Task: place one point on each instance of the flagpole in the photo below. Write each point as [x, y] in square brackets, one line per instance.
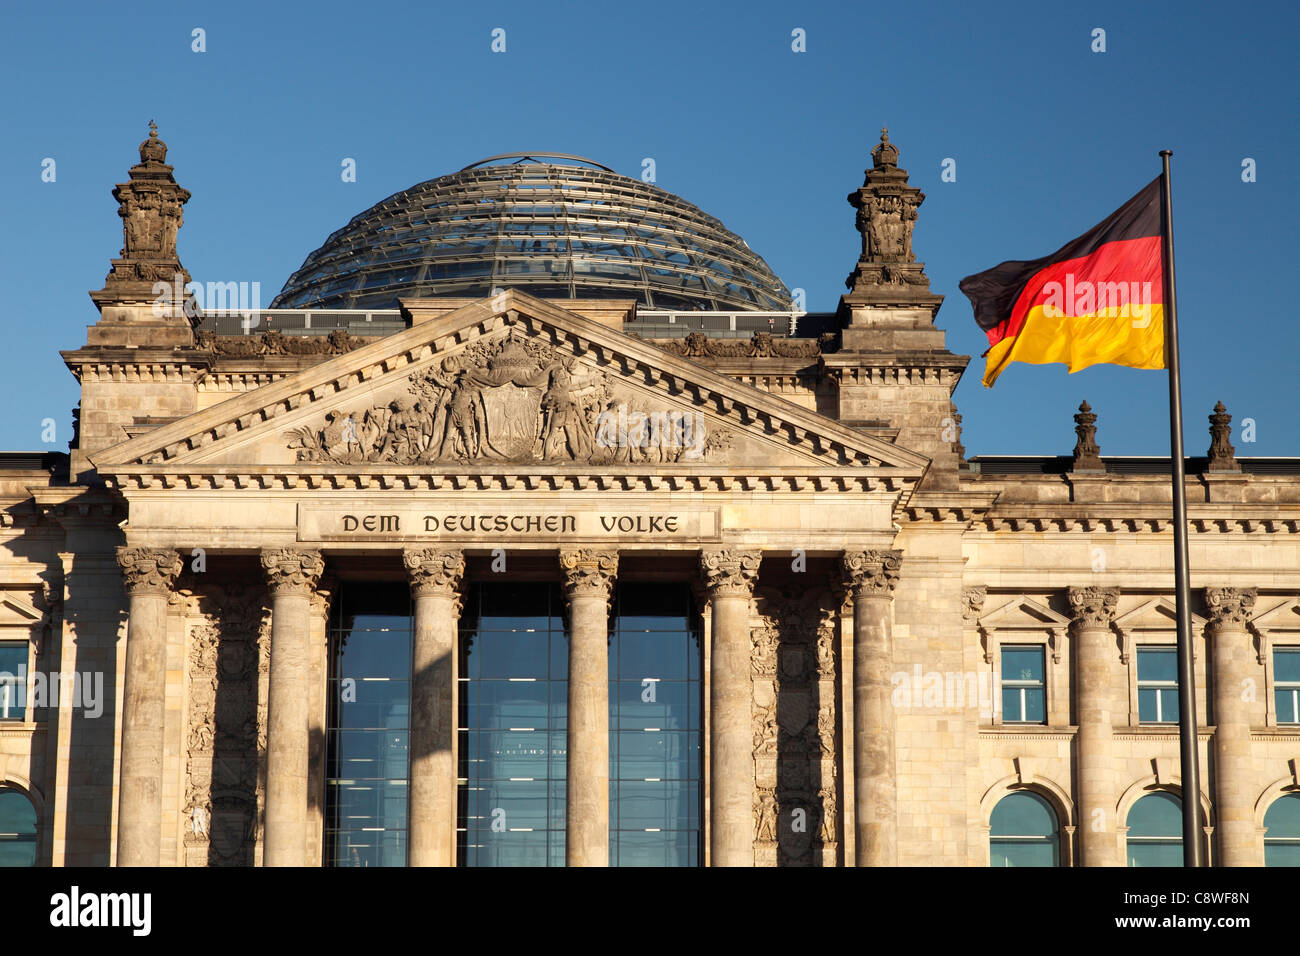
[1187, 742]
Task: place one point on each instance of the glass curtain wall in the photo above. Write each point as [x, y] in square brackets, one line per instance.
[368, 723]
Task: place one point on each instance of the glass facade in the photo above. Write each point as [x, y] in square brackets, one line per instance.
[1282, 831]
[368, 722]
[1157, 685]
[513, 705]
[1286, 684]
[514, 669]
[1023, 831]
[17, 829]
[1155, 831]
[566, 229]
[1024, 688]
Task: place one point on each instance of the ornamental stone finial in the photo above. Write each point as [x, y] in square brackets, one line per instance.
[1230, 608]
[871, 573]
[292, 571]
[149, 570]
[1087, 456]
[1221, 454]
[434, 571]
[730, 571]
[1094, 607]
[588, 570]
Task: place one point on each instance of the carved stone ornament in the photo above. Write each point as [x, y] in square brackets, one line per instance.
[513, 399]
[765, 815]
[292, 571]
[1221, 454]
[886, 215]
[149, 570]
[759, 345]
[433, 571]
[972, 601]
[762, 655]
[150, 205]
[225, 746]
[337, 342]
[589, 570]
[1087, 456]
[871, 573]
[731, 571]
[1230, 608]
[1093, 607]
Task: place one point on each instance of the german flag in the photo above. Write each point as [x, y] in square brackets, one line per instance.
[1096, 300]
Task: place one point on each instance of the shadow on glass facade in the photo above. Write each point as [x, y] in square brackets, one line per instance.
[368, 724]
[513, 702]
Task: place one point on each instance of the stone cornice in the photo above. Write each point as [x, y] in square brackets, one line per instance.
[749, 410]
[505, 477]
[946, 506]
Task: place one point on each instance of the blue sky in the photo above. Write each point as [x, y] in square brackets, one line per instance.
[1048, 137]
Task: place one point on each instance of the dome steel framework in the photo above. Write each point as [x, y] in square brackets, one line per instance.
[552, 225]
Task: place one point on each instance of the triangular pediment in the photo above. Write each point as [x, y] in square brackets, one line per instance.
[509, 382]
[1024, 613]
[1284, 617]
[14, 611]
[1158, 614]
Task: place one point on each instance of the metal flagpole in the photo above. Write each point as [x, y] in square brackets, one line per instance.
[1187, 742]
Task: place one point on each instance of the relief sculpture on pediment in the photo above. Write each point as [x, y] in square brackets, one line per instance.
[513, 400]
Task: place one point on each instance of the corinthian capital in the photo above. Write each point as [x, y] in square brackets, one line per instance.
[589, 570]
[290, 571]
[1230, 608]
[1093, 607]
[433, 571]
[148, 570]
[871, 573]
[730, 571]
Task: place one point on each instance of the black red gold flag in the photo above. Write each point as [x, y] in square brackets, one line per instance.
[1098, 299]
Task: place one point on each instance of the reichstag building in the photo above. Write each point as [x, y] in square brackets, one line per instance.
[532, 524]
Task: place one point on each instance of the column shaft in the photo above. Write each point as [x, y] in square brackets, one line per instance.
[875, 774]
[291, 576]
[1234, 664]
[1094, 649]
[435, 582]
[149, 575]
[589, 579]
[730, 577]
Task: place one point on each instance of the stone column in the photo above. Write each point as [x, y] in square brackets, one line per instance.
[435, 589]
[730, 577]
[291, 576]
[1094, 651]
[148, 574]
[871, 577]
[1234, 663]
[588, 586]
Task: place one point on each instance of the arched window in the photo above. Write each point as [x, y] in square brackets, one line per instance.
[17, 829]
[1282, 834]
[1023, 831]
[1155, 831]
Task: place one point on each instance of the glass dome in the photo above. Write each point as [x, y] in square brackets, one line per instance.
[551, 225]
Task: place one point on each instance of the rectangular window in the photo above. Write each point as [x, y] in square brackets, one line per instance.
[1024, 690]
[368, 723]
[1286, 684]
[1157, 685]
[13, 680]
